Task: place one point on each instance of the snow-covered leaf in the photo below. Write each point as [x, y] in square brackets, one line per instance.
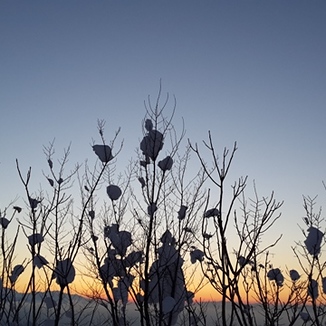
[121, 241]
[242, 261]
[195, 255]
[40, 261]
[64, 272]
[207, 236]
[182, 212]
[51, 182]
[108, 229]
[168, 254]
[103, 152]
[148, 125]
[35, 239]
[167, 237]
[50, 163]
[4, 222]
[33, 202]
[133, 258]
[212, 212]
[294, 275]
[114, 192]
[18, 269]
[313, 241]
[275, 275]
[17, 208]
[166, 164]
[151, 144]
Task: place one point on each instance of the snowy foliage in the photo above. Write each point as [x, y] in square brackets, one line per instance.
[313, 241]
[64, 272]
[152, 142]
[114, 192]
[103, 152]
[275, 275]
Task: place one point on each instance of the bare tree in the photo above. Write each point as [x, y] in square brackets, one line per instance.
[143, 254]
[227, 261]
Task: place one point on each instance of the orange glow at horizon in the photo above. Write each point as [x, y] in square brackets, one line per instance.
[92, 288]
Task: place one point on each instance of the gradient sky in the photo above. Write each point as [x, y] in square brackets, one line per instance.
[249, 71]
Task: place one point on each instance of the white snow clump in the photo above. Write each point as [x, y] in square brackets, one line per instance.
[114, 192]
[166, 164]
[152, 142]
[103, 152]
[294, 275]
[64, 272]
[313, 241]
[275, 275]
[35, 238]
[212, 212]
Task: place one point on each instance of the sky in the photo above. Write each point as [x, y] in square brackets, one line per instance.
[249, 71]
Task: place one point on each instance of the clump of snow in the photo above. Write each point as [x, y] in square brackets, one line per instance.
[17, 209]
[313, 241]
[64, 272]
[39, 261]
[275, 275]
[114, 192]
[133, 258]
[196, 254]
[18, 269]
[166, 280]
[207, 236]
[166, 164]
[103, 152]
[182, 212]
[152, 142]
[35, 238]
[33, 202]
[4, 222]
[120, 240]
[242, 261]
[294, 275]
[212, 212]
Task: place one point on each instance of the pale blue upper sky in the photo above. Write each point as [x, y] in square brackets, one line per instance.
[251, 71]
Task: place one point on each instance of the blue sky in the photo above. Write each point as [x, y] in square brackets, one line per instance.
[250, 71]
